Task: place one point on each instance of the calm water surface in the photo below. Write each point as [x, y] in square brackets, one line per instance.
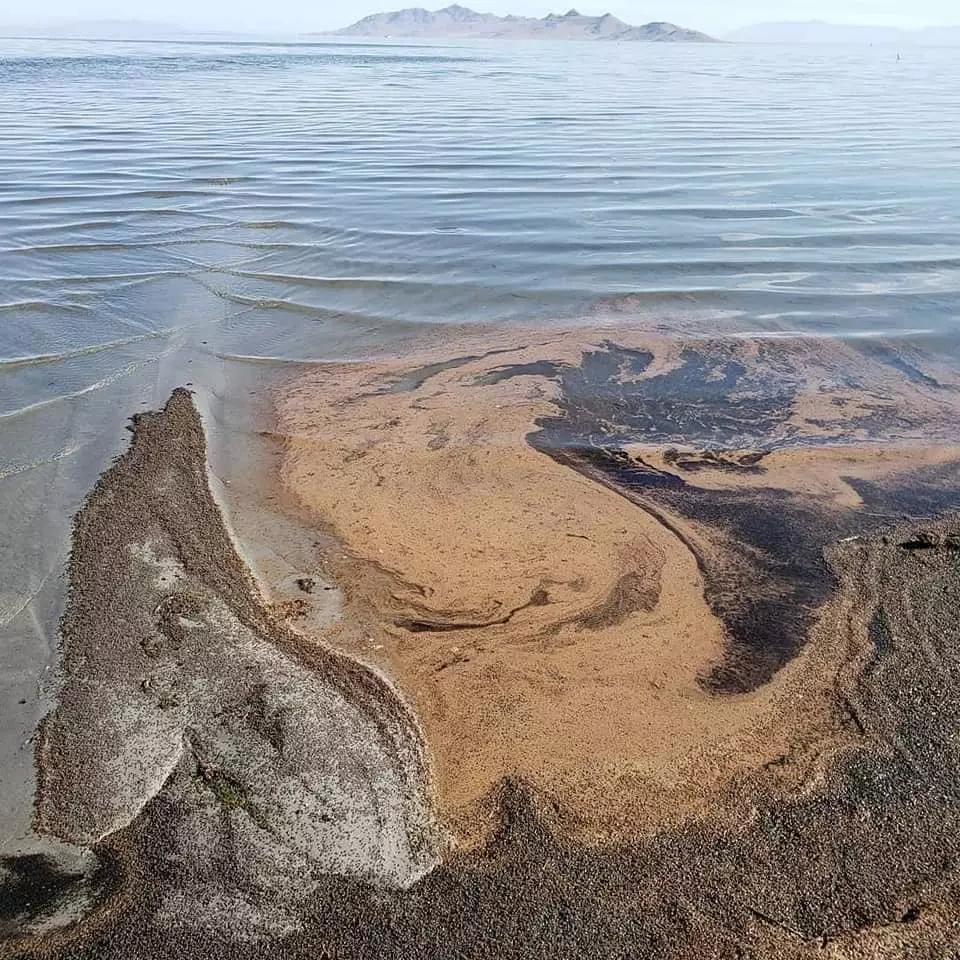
[192, 212]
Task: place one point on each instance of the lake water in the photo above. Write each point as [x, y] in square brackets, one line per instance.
[201, 213]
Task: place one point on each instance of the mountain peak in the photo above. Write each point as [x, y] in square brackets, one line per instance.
[456, 21]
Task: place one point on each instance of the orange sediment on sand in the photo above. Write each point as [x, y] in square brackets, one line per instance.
[539, 623]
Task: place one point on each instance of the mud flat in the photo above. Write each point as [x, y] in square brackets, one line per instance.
[648, 648]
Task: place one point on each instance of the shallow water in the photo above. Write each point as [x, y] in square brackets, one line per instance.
[181, 213]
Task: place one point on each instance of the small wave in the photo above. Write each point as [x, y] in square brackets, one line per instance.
[11, 471]
[36, 360]
[893, 333]
[118, 374]
[40, 306]
[270, 360]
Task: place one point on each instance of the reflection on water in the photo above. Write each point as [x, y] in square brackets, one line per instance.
[171, 212]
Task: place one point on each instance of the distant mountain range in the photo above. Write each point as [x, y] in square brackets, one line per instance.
[458, 22]
[816, 31]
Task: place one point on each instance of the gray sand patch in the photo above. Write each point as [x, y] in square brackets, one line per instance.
[181, 688]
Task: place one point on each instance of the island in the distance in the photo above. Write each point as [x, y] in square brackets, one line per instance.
[459, 22]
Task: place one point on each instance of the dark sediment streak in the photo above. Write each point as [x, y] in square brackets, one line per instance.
[765, 578]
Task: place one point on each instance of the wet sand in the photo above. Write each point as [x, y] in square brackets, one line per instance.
[568, 625]
[717, 720]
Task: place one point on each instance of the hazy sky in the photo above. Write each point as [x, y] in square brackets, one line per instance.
[716, 16]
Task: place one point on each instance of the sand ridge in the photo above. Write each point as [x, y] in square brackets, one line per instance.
[182, 691]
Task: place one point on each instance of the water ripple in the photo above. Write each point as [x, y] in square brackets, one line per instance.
[298, 191]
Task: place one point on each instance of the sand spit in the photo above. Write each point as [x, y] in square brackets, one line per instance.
[180, 690]
[623, 635]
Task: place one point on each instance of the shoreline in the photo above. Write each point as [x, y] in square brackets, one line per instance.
[836, 743]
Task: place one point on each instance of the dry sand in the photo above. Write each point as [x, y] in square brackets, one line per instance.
[181, 687]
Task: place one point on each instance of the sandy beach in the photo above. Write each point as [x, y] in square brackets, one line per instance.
[611, 645]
